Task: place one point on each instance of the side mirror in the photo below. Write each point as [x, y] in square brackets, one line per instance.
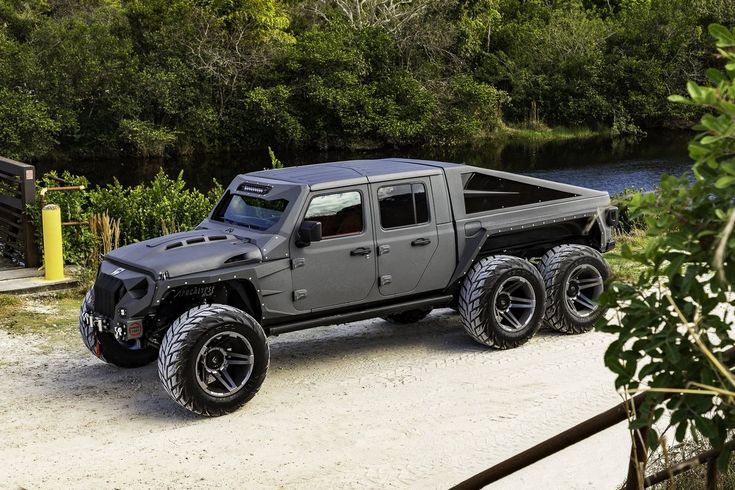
[309, 231]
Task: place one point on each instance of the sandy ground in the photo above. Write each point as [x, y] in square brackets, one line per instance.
[368, 404]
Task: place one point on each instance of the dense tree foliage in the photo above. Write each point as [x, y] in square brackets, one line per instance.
[156, 77]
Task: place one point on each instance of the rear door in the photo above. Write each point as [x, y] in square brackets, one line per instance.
[405, 233]
[340, 269]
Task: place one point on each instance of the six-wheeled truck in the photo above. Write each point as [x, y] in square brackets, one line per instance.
[301, 247]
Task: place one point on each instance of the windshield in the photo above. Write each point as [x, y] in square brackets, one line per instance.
[250, 212]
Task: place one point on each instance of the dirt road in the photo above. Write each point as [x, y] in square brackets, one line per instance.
[364, 405]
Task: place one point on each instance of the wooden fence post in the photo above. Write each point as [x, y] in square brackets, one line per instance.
[638, 459]
[17, 192]
[711, 483]
[28, 193]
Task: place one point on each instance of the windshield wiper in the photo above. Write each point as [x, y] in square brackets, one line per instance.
[244, 225]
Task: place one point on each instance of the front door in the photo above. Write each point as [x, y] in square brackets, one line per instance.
[405, 233]
[340, 269]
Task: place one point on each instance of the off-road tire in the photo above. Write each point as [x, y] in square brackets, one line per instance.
[477, 294]
[406, 317]
[182, 342]
[105, 346]
[555, 266]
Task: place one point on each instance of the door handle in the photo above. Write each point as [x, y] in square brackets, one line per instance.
[361, 251]
[420, 242]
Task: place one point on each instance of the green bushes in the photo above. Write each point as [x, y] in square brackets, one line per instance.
[674, 327]
[145, 139]
[164, 205]
[78, 241]
[628, 222]
[469, 109]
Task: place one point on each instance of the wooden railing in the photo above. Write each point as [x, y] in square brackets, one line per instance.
[17, 190]
[638, 454]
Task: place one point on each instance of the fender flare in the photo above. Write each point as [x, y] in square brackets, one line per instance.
[472, 248]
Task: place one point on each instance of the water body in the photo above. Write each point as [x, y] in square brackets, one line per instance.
[598, 163]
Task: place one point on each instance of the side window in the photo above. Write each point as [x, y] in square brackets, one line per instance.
[403, 205]
[340, 214]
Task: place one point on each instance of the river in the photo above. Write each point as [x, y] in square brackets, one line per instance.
[598, 163]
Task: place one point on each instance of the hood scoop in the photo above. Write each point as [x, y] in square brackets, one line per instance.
[195, 241]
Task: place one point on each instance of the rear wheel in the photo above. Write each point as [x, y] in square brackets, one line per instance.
[106, 347]
[502, 301]
[213, 359]
[406, 317]
[575, 277]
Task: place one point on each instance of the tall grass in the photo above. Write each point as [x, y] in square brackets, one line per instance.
[693, 479]
[543, 134]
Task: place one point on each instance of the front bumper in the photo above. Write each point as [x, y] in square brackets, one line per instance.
[123, 331]
[122, 298]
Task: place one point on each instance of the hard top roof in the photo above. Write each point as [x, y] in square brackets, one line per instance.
[323, 175]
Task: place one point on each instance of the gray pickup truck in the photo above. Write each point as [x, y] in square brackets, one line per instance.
[301, 247]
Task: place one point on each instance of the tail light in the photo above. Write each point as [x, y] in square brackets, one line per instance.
[612, 216]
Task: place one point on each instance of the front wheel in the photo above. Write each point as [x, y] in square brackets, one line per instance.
[213, 359]
[106, 347]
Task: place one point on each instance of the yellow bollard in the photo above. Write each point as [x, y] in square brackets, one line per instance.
[53, 254]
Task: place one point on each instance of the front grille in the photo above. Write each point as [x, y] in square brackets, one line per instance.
[107, 292]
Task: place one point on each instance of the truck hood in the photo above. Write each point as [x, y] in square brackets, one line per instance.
[186, 253]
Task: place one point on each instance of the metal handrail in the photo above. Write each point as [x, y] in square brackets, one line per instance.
[42, 193]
